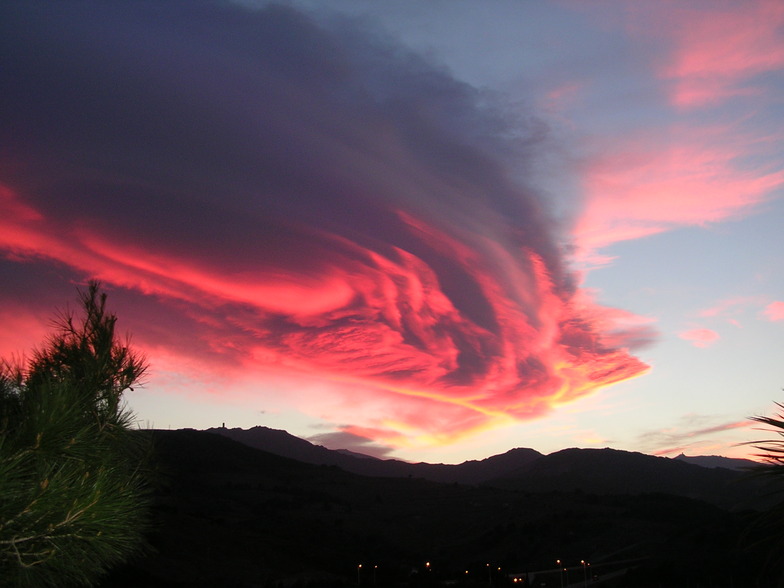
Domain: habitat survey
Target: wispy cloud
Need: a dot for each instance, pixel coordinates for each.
(717, 58)
(730, 306)
(671, 167)
(657, 182)
(694, 434)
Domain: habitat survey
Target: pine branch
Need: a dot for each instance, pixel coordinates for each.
(71, 474)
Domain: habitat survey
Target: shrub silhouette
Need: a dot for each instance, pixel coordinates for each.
(73, 500)
(766, 533)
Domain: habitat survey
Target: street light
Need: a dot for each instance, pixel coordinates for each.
(585, 572)
(560, 571)
(359, 578)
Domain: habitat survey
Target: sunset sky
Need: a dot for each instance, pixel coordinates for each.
(431, 230)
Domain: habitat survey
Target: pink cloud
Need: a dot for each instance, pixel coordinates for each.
(377, 243)
(775, 311)
(655, 182)
(700, 337)
(716, 48)
(716, 55)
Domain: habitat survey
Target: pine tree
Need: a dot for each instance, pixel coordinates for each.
(73, 498)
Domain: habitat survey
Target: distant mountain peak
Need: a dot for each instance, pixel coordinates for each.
(717, 461)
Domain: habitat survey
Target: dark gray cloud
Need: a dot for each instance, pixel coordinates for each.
(298, 185)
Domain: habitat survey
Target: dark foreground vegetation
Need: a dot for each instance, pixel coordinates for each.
(229, 515)
(73, 486)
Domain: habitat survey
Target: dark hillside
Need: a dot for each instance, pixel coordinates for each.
(229, 515)
(716, 461)
(597, 471)
(609, 471)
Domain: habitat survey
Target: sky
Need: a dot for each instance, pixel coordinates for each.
(433, 231)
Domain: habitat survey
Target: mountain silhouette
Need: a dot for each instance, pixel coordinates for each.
(470, 472)
(611, 471)
(226, 514)
(598, 471)
(718, 461)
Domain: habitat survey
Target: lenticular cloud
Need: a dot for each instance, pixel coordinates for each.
(313, 201)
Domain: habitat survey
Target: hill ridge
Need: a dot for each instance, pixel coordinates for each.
(593, 470)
